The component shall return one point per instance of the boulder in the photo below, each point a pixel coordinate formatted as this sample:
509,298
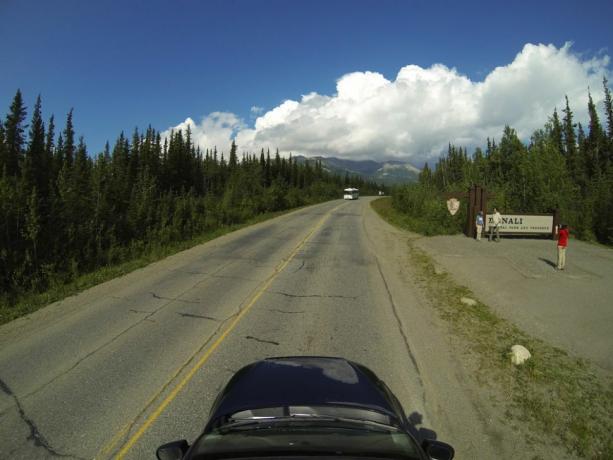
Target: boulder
468,301
519,354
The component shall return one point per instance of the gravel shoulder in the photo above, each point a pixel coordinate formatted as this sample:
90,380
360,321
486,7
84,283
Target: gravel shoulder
469,412
570,309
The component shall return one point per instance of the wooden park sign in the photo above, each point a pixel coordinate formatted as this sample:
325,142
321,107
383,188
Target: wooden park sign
524,224
512,224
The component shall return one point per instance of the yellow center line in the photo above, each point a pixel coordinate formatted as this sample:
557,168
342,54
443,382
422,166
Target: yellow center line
173,394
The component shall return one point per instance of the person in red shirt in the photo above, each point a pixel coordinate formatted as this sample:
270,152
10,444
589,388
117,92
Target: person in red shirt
562,243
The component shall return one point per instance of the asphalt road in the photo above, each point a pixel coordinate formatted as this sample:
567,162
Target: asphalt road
135,362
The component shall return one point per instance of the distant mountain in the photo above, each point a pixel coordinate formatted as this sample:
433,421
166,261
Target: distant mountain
387,172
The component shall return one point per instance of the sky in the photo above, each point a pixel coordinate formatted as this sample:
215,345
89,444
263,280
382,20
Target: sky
380,79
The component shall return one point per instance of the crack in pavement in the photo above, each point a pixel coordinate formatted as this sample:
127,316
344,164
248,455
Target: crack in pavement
191,315
35,435
319,296
301,266
399,323
155,296
111,447
239,278
284,311
272,342
145,312
187,272
405,339
116,297
97,349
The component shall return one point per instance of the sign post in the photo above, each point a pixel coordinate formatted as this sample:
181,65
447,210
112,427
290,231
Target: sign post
477,201
520,224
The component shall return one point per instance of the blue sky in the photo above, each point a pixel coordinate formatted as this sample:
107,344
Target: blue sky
134,63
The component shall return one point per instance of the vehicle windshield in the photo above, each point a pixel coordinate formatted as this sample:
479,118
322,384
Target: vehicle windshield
305,435
353,413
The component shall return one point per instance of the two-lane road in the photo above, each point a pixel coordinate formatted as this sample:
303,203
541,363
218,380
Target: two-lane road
137,361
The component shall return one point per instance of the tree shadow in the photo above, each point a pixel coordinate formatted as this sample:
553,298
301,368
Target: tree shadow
419,433
548,262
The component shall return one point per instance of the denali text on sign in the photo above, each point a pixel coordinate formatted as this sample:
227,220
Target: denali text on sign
512,223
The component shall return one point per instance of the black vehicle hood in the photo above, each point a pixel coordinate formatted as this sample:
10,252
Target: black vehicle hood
302,381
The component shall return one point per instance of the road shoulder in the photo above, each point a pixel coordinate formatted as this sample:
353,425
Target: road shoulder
554,406
461,409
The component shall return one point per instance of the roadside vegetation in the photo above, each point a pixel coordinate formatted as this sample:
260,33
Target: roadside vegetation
565,166
69,219
552,393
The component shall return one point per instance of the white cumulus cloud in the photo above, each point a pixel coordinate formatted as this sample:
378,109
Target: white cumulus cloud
215,130
416,115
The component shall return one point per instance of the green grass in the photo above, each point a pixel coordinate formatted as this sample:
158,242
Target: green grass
553,392
30,302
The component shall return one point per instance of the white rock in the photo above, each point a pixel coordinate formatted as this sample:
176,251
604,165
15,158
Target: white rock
519,354
438,270
468,301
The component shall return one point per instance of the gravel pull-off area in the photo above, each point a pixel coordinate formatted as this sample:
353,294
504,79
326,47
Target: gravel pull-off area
570,309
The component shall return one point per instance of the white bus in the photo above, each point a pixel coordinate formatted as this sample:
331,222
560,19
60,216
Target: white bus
351,194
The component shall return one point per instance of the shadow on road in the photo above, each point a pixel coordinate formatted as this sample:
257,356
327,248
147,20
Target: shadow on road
548,262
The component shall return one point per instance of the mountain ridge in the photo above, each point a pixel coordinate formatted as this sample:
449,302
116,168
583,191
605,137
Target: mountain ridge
391,172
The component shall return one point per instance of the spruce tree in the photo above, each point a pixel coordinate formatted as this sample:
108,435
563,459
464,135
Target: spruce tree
596,161
556,132
425,175
573,161
69,145
50,137
3,153
58,157
569,131
32,230
13,136
49,151
608,107
262,168
232,161
277,165
268,169
35,171
135,156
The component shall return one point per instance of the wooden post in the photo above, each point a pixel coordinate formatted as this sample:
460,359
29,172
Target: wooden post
477,201
471,227
483,204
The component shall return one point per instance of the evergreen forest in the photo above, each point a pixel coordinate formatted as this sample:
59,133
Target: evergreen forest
565,166
64,212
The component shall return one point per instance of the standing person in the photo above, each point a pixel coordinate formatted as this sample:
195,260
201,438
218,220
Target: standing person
495,226
479,223
562,243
